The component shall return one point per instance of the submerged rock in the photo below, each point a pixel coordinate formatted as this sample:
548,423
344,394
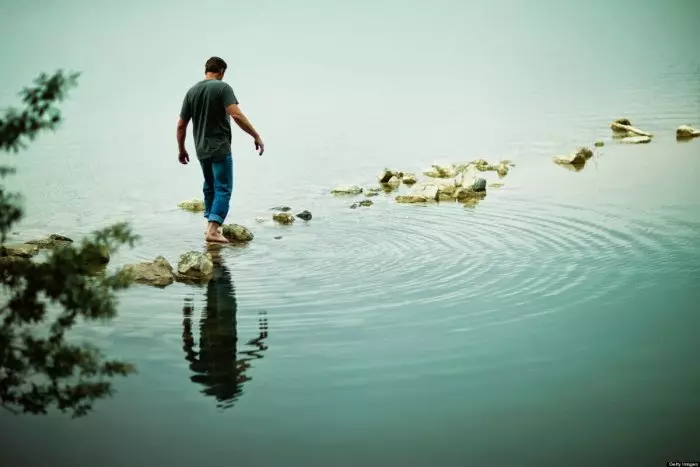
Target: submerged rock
599,144
19,250
279,237
195,267
687,131
502,169
236,233
440,171
260,220
409,178
53,241
194,205
636,140
158,273
411,199
372,192
495,185
366,203
626,128
283,218
347,190
281,208
575,158
305,215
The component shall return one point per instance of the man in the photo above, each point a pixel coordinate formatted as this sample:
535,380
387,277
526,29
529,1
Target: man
209,103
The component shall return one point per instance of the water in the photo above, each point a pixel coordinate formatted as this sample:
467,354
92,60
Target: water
555,322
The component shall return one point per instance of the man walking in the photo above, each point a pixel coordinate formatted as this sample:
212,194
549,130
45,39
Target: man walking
209,103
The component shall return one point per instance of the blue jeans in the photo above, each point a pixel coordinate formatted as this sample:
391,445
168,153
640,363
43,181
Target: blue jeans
218,184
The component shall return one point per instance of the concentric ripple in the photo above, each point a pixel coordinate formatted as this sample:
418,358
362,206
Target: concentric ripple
482,265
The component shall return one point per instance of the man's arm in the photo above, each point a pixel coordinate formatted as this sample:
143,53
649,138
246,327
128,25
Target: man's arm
244,124
181,133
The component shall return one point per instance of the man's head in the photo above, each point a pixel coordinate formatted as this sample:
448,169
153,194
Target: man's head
215,68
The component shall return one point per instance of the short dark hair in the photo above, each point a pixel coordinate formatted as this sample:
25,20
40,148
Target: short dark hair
215,65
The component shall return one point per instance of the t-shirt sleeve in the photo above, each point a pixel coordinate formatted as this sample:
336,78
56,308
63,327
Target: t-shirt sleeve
186,110
228,96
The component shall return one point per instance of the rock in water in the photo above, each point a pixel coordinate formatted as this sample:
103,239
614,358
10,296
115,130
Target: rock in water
636,140
158,273
19,250
502,169
386,175
495,185
599,144
53,241
195,267
194,205
577,158
237,233
409,178
627,129
304,215
394,181
347,190
372,192
623,121
411,199
366,203
283,218
687,131
260,220
281,208
440,171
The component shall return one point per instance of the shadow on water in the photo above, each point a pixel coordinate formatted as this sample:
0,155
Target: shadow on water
217,365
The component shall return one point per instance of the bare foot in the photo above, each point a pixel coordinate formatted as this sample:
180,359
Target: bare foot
220,230
216,237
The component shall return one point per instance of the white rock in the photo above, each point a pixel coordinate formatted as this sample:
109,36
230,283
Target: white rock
347,190
636,140
687,131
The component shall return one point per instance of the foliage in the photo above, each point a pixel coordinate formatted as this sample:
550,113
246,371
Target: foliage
41,300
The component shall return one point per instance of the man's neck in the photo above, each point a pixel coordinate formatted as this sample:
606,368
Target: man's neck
212,76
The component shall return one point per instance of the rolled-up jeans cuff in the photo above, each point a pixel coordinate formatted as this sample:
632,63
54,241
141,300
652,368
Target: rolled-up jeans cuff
215,218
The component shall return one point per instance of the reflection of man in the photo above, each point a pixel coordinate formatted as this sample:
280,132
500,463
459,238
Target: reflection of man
215,366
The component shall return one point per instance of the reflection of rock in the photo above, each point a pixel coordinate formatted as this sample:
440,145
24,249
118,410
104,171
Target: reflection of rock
575,158
283,218
347,190
194,205
687,131
236,233
19,250
372,191
636,140
305,215
624,126
158,273
281,208
195,267
53,241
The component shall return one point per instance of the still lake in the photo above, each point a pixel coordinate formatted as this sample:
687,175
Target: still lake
556,322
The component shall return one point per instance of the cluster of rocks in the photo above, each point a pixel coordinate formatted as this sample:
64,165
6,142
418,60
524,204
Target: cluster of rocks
285,217
193,268
450,182
28,250
576,159
622,128
282,215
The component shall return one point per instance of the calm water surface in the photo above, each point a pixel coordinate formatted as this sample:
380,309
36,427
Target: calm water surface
554,323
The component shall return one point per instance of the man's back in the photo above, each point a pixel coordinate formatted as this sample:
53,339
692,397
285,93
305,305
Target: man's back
206,103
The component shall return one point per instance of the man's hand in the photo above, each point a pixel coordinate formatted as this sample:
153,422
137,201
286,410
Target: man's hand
183,157
259,145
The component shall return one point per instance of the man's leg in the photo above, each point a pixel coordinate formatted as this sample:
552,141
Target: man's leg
223,186
222,170
208,187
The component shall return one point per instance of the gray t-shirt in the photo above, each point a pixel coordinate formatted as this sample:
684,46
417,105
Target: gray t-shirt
205,103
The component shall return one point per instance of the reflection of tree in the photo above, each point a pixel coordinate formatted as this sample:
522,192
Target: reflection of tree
216,365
